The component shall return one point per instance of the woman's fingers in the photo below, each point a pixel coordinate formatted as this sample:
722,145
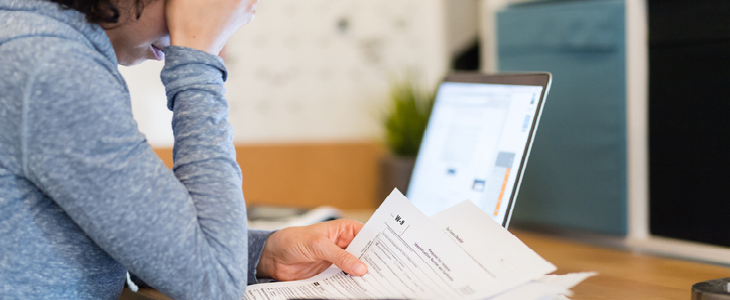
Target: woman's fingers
341,258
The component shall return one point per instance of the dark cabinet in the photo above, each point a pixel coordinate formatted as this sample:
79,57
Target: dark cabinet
689,121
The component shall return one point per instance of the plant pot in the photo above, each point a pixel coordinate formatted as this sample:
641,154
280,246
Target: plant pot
395,172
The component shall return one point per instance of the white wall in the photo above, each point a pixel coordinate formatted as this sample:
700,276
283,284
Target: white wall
149,104
318,70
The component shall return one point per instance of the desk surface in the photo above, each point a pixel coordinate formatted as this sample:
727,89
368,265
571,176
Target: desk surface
623,275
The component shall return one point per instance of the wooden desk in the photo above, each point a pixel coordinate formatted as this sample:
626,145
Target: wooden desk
623,275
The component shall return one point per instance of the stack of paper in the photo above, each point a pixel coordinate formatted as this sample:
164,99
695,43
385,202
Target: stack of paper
460,253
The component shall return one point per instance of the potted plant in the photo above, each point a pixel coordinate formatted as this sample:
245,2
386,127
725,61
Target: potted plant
404,121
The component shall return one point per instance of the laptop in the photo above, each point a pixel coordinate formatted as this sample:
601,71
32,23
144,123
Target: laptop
477,142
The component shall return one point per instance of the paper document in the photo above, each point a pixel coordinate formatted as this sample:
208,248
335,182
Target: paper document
548,287
460,253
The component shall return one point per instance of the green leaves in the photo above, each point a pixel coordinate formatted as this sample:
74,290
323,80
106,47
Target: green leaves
407,117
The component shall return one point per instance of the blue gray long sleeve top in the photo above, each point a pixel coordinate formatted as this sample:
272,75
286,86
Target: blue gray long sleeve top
83,198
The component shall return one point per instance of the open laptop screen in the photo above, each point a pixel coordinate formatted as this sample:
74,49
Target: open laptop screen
475,146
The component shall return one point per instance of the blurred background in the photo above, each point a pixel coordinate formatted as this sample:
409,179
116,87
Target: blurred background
632,142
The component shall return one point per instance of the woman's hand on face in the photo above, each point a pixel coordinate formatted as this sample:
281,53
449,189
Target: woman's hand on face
301,252
206,24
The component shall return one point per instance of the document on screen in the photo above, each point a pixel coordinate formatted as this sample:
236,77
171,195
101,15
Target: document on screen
458,254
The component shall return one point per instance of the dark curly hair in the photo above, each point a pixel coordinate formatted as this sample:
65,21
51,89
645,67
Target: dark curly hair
99,11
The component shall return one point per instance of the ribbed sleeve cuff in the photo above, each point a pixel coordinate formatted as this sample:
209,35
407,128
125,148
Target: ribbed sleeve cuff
187,67
256,242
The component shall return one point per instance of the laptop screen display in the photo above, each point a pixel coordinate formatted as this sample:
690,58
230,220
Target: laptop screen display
474,147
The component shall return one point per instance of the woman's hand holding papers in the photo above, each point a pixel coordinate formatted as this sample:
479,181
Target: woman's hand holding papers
301,252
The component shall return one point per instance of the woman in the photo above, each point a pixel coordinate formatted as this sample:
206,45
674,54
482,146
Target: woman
84,199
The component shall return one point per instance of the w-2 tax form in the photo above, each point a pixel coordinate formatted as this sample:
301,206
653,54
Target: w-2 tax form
459,253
